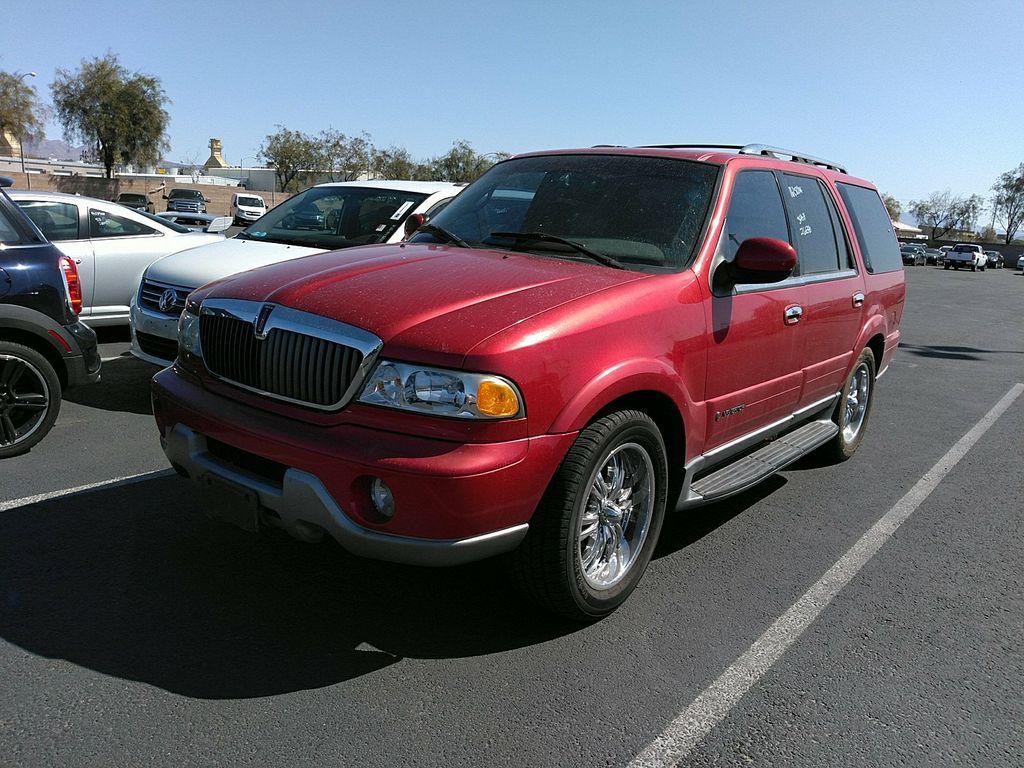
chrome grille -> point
(288, 364)
(150, 293)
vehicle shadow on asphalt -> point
(136, 583)
(685, 527)
(954, 353)
(123, 386)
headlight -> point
(188, 332)
(441, 392)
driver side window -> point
(755, 210)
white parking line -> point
(113, 483)
(718, 699)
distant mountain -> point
(53, 148)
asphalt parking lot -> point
(133, 630)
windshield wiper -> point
(444, 234)
(543, 237)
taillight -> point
(72, 284)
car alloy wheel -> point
(25, 398)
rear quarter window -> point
(873, 228)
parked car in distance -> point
(1020, 263)
(198, 222)
(135, 200)
(994, 259)
(934, 255)
(110, 244)
(967, 255)
(186, 200)
(580, 343)
(246, 207)
(326, 217)
(44, 348)
(913, 255)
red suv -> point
(581, 341)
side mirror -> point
(414, 222)
(164, 197)
(761, 260)
(219, 224)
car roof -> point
(424, 187)
(717, 154)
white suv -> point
(327, 217)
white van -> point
(246, 207)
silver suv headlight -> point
(441, 392)
(188, 332)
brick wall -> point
(108, 189)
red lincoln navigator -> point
(581, 341)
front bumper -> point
(162, 327)
(454, 502)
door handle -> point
(858, 299)
(793, 314)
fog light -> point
(383, 501)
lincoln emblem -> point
(261, 320)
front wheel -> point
(852, 410)
(592, 536)
(29, 398)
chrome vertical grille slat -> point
(303, 358)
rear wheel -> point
(854, 407)
(29, 398)
(593, 534)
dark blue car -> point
(44, 348)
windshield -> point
(126, 198)
(335, 217)
(177, 194)
(251, 202)
(164, 222)
(645, 212)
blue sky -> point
(915, 96)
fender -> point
(625, 378)
(39, 325)
(874, 326)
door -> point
(123, 246)
(754, 367)
(832, 291)
(64, 225)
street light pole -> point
(21, 139)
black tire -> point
(549, 565)
(29, 398)
(853, 422)
(974, 268)
(945, 266)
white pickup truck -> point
(969, 255)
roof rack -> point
(762, 150)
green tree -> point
(344, 158)
(462, 164)
(292, 154)
(892, 205)
(119, 115)
(21, 114)
(1008, 202)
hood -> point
(198, 266)
(435, 301)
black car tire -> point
(30, 397)
(549, 566)
(853, 409)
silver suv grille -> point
(300, 358)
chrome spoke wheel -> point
(856, 405)
(617, 515)
(24, 399)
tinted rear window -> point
(873, 227)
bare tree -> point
(1008, 202)
(944, 212)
